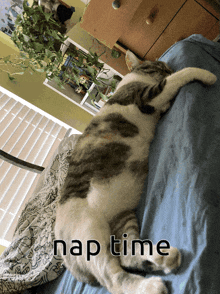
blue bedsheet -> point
(181, 199)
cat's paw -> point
(166, 263)
(208, 78)
(152, 285)
(203, 75)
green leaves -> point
(113, 84)
(26, 38)
(18, 20)
(47, 16)
(49, 54)
(103, 96)
(7, 59)
(115, 53)
(12, 79)
(91, 70)
(39, 38)
(35, 18)
(104, 80)
(40, 69)
(38, 47)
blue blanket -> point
(181, 199)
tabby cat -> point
(105, 179)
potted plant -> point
(39, 38)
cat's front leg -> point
(153, 285)
(166, 263)
(177, 80)
(198, 74)
(147, 257)
(142, 255)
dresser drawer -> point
(191, 19)
(105, 23)
(140, 36)
(208, 7)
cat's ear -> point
(131, 60)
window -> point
(29, 134)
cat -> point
(105, 179)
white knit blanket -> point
(29, 260)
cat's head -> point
(146, 67)
(146, 71)
(156, 69)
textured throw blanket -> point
(29, 260)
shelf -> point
(82, 100)
(91, 106)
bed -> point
(180, 201)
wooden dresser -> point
(149, 27)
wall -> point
(31, 88)
(2, 248)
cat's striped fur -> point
(106, 174)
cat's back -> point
(109, 163)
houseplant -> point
(39, 39)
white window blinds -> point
(31, 135)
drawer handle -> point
(154, 11)
(149, 20)
(116, 4)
